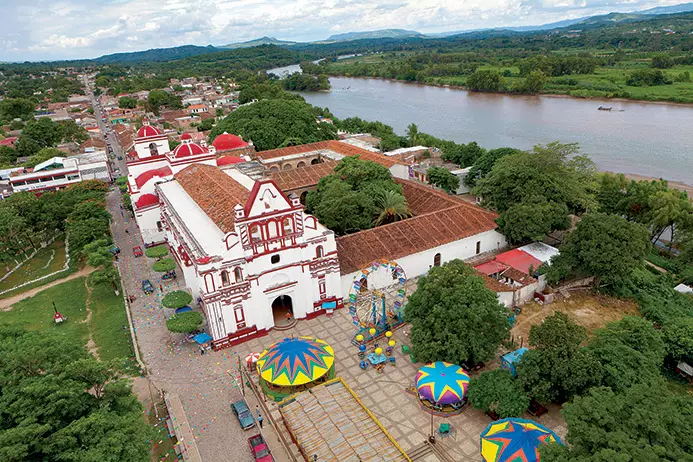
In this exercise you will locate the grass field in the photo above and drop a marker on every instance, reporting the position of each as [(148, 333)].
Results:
[(46, 261), (104, 325)]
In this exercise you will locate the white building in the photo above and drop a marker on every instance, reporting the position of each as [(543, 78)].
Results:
[(248, 253), (60, 172)]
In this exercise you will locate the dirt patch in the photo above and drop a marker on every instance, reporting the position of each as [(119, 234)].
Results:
[(585, 308), (91, 345)]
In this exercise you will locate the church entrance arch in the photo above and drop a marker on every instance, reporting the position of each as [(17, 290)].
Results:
[(283, 311)]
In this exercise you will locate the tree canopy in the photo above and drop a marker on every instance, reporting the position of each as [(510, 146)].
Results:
[(158, 251), (184, 323), (498, 391), (270, 123), (443, 178), (354, 197), (60, 404), (177, 299), (606, 246), (454, 317), (164, 265)]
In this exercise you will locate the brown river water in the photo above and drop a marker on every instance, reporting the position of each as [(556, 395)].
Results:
[(654, 140)]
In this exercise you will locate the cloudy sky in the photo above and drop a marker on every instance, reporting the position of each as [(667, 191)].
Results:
[(64, 29)]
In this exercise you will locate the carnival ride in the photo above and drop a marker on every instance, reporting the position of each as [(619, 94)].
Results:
[(376, 298), (513, 439), (293, 365), (442, 387)]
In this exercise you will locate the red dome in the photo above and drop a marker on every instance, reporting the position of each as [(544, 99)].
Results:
[(144, 177), (189, 149), (227, 141), (186, 136), (145, 200), (228, 160), (147, 131)]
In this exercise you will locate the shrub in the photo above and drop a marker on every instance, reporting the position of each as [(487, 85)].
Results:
[(177, 299)]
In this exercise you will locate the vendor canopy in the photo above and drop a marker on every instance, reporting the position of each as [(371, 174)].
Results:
[(295, 361), (510, 440), (442, 383)]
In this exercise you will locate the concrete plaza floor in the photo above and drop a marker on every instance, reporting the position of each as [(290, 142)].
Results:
[(385, 393)]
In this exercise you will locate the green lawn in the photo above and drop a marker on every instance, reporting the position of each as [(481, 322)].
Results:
[(46, 261), (105, 327)]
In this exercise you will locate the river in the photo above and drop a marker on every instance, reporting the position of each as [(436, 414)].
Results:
[(646, 139)]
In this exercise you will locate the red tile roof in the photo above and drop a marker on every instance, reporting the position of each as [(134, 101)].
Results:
[(332, 145), (426, 231), (215, 192), (302, 177), (491, 267)]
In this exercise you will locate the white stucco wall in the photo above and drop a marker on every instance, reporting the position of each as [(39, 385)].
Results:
[(147, 222), (143, 150), (419, 263)]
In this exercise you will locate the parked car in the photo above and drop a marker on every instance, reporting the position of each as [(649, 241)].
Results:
[(245, 418), (147, 287), (137, 251), (259, 449)]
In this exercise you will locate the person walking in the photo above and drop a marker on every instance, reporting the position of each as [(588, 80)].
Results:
[(259, 417)]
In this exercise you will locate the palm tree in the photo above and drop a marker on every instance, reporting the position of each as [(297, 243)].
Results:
[(392, 207), (413, 134)]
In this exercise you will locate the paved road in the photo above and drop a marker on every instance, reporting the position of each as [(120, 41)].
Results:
[(205, 383)]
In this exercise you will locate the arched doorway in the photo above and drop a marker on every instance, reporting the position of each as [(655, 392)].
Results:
[(303, 197), (317, 160), (283, 311)]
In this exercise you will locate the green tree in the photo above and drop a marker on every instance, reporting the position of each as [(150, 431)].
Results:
[(648, 78), (98, 254), (662, 61), (606, 246), (630, 351), (127, 102), (558, 367), (646, 422), (160, 98), (177, 299), (42, 156), (443, 178), (413, 134), (184, 323), (485, 80), (60, 404), (157, 252), (13, 234), (532, 221), (71, 132), (16, 108), (392, 206), (454, 317), (670, 210), (483, 165), (268, 123), (678, 339), (39, 134), (164, 265), (498, 391)]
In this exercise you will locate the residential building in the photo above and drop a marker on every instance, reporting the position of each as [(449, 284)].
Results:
[(60, 172)]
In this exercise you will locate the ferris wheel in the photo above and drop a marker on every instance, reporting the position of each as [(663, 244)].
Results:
[(377, 296)]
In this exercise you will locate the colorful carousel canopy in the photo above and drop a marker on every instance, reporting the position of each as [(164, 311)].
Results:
[(295, 361), (442, 383), (515, 440)]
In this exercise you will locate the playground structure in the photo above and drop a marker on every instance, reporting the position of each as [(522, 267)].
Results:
[(442, 387), (294, 365), (376, 299)]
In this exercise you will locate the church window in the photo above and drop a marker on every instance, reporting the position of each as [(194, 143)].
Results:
[(225, 278), (272, 229), (237, 274), (436, 260), (275, 259), (319, 252), (288, 226), (255, 235)]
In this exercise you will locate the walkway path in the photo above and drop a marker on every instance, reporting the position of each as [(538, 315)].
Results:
[(6, 304)]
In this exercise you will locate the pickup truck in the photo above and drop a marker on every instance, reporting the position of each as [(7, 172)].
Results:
[(259, 449)]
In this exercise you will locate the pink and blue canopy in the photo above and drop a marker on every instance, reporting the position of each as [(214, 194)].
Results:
[(442, 383), (515, 440)]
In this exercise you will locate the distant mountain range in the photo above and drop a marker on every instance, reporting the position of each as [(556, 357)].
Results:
[(257, 42), (168, 54)]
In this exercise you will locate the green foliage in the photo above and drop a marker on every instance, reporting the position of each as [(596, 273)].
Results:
[(127, 102), (160, 98), (71, 132), (60, 404), (532, 221), (8, 155), (305, 82), (176, 299), (500, 392), (483, 165), (389, 139), (184, 323), (662, 61), (558, 367), (443, 178), (206, 124), (454, 317), (644, 423), (532, 84), (164, 265), (158, 251), (463, 155), (268, 123), (353, 197), (392, 206), (42, 156), (486, 80), (558, 65), (38, 134), (630, 351), (16, 108), (648, 78), (606, 246), (678, 339)]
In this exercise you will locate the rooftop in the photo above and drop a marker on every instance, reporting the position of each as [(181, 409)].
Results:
[(327, 148), (303, 177)]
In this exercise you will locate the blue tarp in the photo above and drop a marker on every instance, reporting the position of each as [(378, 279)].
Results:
[(509, 360), (329, 305), (203, 338), (183, 309)]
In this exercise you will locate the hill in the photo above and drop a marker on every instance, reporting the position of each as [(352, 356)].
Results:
[(681, 8), (257, 42), (157, 54), (374, 34)]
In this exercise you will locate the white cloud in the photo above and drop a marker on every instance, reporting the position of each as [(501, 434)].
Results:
[(37, 29)]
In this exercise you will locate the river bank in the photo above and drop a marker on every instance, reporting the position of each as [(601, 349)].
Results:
[(672, 184)]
